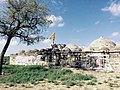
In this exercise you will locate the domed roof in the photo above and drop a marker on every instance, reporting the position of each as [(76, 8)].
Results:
[(73, 47), (102, 42), (117, 47), (105, 49), (87, 49)]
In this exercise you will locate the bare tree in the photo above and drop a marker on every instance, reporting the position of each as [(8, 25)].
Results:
[(24, 20)]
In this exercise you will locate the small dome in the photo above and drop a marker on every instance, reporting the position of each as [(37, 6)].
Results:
[(87, 49), (73, 47), (102, 42), (105, 49), (81, 47), (117, 47)]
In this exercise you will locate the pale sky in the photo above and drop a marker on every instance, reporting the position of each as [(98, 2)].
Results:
[(78, 22)]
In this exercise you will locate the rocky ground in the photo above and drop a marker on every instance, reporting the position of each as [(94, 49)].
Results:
[(105, 81)]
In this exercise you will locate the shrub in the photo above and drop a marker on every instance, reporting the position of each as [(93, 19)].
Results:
[(99, 82), (83, 77), (91, 83), (118, 77), (80, 83), (66, 71), (69, 83), (114, 85), (105, 81)]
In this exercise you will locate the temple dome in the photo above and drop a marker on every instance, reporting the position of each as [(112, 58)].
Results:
[(73, 47), (105, 49), (102, 42), (117, 47), (87, 49)]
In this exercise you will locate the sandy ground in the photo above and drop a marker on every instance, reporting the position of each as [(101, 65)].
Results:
[(105, 81)]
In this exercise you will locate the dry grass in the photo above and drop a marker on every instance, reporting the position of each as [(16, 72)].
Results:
[(103, 81)]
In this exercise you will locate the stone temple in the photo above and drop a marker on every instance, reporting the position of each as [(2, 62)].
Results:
[(101, 54)]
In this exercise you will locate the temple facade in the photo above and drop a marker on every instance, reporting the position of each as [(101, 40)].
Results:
[(102, 54)]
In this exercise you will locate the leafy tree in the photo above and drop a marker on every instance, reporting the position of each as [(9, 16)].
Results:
[(24, 20)]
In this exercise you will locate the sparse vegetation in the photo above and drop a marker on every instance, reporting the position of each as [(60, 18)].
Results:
[(105, 81), (32, 77), (99, 82), (33, 74), (91, 83), (114, 85), (118, 77)]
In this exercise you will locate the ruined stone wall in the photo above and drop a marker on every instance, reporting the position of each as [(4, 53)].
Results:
[(111, 61), (27, 60), (115, 61), (31, 57)]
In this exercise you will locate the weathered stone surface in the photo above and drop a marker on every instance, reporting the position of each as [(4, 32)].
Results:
[(104, 49), (23, 60), (96, 56), (102, 42)]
